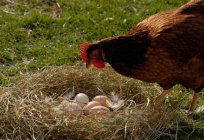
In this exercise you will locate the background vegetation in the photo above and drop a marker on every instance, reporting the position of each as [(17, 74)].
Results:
[(39, 33)]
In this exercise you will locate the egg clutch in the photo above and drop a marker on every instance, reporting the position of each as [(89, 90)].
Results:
[(80, 104)]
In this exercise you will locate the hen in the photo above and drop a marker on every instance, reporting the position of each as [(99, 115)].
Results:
[(166, 48)]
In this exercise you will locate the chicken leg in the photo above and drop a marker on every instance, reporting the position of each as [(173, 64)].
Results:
[(193, 104)]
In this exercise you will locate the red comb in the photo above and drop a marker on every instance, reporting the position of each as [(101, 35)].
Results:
[(83, 50)]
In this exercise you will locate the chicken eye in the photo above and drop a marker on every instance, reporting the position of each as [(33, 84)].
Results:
[(95, 55)]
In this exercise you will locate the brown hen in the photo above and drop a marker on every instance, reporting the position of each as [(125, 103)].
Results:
[(166, 48)]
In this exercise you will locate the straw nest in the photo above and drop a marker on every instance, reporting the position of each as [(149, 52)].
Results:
[(29, 109)]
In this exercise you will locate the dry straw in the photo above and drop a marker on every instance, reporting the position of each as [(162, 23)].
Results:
[(29, 110)]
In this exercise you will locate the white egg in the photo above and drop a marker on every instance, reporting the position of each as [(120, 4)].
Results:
[(102, 99), (74, 108), (82, 99), (99, 110), (89, 106)]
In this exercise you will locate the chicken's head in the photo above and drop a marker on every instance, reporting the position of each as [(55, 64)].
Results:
[(92, 56)]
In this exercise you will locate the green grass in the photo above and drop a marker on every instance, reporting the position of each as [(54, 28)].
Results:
[(38, 33)]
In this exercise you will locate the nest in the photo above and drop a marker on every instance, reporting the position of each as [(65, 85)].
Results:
[(28, 109)]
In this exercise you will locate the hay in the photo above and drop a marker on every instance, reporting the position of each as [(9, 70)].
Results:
[(29, 109)]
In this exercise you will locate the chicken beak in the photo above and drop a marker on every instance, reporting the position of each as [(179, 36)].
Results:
[(88, 64)]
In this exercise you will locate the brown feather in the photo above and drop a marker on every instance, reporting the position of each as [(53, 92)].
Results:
[(166, 48)]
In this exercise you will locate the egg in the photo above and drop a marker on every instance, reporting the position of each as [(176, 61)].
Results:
[(99, 110), (73, 108), (89, 106), (82, 99), (102, 99)]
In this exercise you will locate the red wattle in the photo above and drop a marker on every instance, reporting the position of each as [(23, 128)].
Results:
[(99, 65)]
